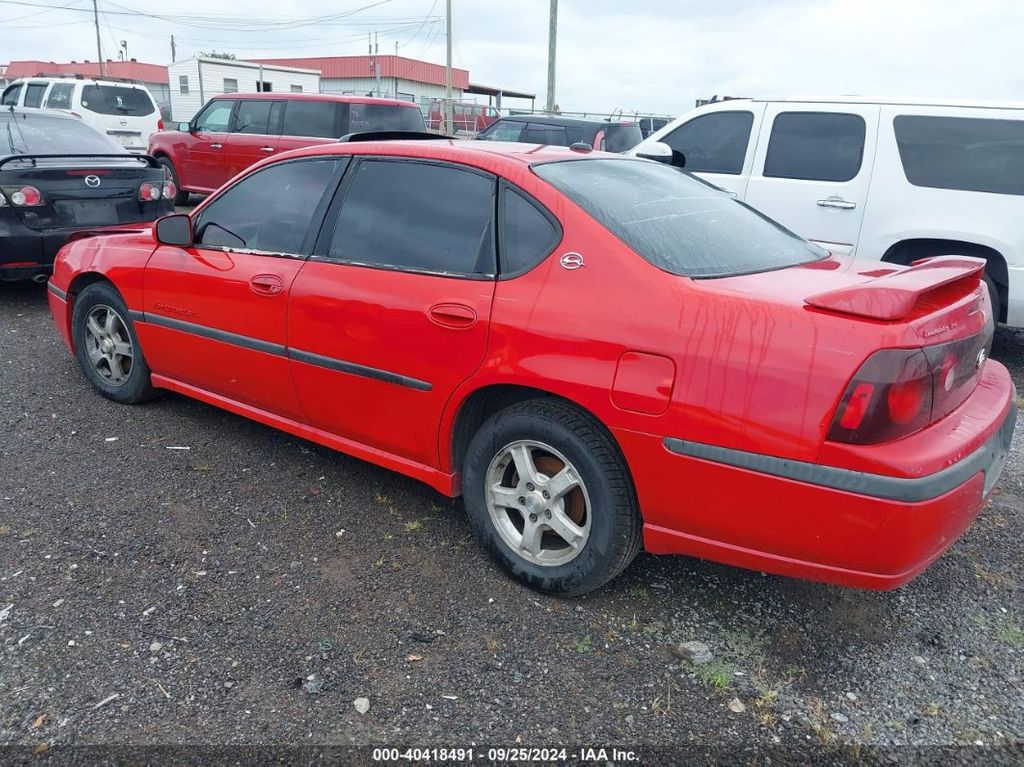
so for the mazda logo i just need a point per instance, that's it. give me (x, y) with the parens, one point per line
(571, 261)
(92, 181)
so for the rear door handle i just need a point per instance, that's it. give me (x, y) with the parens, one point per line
(267, 149)
(836, 201)
(457, 316)
(266, 284)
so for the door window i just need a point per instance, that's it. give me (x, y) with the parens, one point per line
(815, 146)
(503, 130)
(537, 133)
(10, 98)
(60, 96)
(272, 209)
(215, 118)
(311, 118)
(528, 235)
(713, 143)
(34, 94)
(977, 155)
(252, 117)
(419, 216)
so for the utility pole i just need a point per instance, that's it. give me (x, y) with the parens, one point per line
(99, 49)
(552, 42)
(173, 50)
(376, 59)
(447, 71)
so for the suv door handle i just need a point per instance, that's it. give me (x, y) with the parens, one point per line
(835, 201)
(267, 149)
(216, 146)
(457, 316)
(266, 284)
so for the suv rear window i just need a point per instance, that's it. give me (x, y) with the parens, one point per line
(383, 117)
(679, 223)
(619, 138)
(975, 155)
(117, 100)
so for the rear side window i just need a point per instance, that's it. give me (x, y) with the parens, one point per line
(34, 94)
(252, 116)
(311, 118)
(538, 133)
(975, 155)
(383, 117)
(527, 235)
(713, 143)
(10, 98)
(117, 100)
(676, 221)
(293, 191)
(420, 216)
(815, 146)
(60, 96)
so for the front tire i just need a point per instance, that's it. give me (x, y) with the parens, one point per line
(550, 497)
(107, 347)
(182, 197)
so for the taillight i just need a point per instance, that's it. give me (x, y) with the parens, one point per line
(24, 197)
(149, 192)
(897, 392)
(159, 124)
(169, 190)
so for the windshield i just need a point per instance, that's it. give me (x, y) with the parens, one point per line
(677, 222)
(117, 100)
(619, 138)
(384, 117)
(42, 134)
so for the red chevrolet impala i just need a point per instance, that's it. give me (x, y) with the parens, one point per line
(601, 354)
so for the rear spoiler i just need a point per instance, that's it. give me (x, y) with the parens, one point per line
(391, 135)
(83, 234)
(32, 158)
(894, 295)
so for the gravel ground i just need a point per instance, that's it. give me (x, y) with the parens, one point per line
(250, 588)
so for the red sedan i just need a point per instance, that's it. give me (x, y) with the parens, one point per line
(599, 353)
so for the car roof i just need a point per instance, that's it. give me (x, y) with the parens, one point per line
(339, 98)
(572, 122)
(882, 100)
(75, 80)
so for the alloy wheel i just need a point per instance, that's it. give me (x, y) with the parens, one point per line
(108, 345)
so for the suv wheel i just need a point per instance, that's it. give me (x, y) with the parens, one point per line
(182, 197)
(551, 498)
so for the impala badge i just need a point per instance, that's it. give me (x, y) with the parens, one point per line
(92, 181)
(572, 261)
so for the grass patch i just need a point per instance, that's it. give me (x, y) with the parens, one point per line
(718, 674)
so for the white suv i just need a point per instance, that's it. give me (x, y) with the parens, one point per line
(885, 179)
(123, 111)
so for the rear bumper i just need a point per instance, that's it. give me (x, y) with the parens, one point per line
(821, 523)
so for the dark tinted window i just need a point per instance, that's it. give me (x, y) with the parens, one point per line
(383, 117)
(252, 116)
(503, 130)
(815, 146)
(117, 100)
(270, 210)
(713, 143)
(962, 153)
(619, 138)
(311, 118)
(527, 235)
(538, 133)
(216, 117)
(675, 221)
(417, 216)
(34, 94)
(47, 134)
(60, 96)
(11, 96)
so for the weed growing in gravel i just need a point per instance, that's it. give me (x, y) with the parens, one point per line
(381, 499)
(413, 525)
(493, 646)
(718, 674)
(583, 645)
(1011, 635)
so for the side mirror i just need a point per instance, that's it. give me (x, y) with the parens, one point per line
(656, 150)
(175, 229)
(184, 127)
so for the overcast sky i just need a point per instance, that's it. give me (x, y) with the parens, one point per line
(647, 55)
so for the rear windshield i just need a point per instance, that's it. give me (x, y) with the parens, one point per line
(41, 134)
(619, 138)
(117, 100)
(384, 117)
(676, 221)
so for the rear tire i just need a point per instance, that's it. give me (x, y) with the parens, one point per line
(107, 347)
(182, 197)
(550, 497)
(993, 295)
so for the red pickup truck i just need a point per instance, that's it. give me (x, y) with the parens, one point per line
(233, 131)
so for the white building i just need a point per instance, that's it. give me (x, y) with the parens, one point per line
(195, 81)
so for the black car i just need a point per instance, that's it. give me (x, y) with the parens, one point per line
(59, 176)
(564, 131)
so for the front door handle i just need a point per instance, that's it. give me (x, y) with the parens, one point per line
(266, 284)
(216, 146)
(457, 316)
(266, 149)
(835, 201)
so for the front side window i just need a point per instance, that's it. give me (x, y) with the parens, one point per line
(418, 216)
(815, 146)
(311, 118)
(527, 235)
(10, 98)
(968, 153)
(117, 100)
(230, 85)
(34, 94)
(503, 130)
(215, 118)
(713, 143)
(60, 96)
(252, 116)
(270, 210)
(676, 221)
